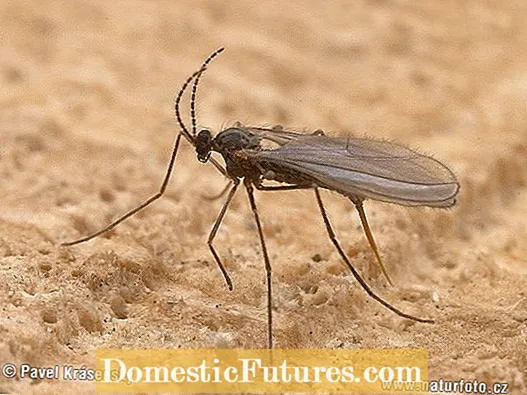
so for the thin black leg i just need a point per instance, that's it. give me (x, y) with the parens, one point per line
(355, 273)
(214, 230)
(141, 206)
(268, 269)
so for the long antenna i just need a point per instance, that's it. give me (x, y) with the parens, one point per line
(195, 76)
(184, 132)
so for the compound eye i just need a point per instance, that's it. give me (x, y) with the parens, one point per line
(203, 144)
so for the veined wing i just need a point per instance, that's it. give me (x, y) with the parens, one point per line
(362, 167)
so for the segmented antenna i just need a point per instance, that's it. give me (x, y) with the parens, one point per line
(193, 102)
(196, 75)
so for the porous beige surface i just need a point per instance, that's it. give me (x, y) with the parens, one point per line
(86, 129)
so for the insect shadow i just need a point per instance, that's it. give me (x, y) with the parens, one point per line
(358, 168)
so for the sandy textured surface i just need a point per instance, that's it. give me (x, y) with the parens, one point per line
(86, 129)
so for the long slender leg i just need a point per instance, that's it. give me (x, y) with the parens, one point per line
(369, 236)
(268, 269)
(214, 230)
(147, 202)
(184, 131)
(355, 273)
(141, 206)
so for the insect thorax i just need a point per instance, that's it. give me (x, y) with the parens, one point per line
(230, 143)
(233, 139)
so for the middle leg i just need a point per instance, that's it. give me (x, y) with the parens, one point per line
(250, 193)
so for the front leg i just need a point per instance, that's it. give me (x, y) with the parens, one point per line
(214, 230)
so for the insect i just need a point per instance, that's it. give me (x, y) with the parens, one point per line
(357, 168)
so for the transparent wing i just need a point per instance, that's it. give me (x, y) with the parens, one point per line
(276, 135)
(361, 167)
